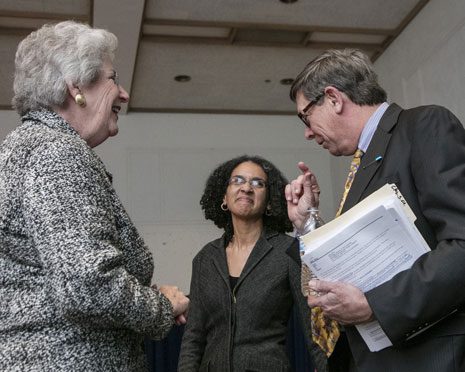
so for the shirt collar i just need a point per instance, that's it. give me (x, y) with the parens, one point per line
(370, 127)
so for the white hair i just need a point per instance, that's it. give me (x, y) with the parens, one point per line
(54, 55)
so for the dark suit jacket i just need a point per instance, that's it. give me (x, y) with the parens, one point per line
(244, 329)
(423, 152)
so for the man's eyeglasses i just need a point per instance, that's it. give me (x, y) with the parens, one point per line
(256, 183)
(303, 115)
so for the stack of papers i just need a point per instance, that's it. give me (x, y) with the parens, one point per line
(366, 246)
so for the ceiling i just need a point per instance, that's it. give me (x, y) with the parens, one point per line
(237, 53)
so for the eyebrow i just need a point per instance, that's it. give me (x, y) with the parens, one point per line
(253, 178)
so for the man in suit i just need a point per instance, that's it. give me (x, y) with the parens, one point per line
(422, 151)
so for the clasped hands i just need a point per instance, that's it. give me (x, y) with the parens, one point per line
(178, 300)
(340, 301)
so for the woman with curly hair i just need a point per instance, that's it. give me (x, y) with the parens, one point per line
(245, 283)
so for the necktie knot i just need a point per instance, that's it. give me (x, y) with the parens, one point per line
(358, 154)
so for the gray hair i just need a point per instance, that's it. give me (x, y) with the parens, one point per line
(54, 55)
(348, 70)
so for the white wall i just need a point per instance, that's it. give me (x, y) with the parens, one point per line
(160, 163)
(426, 63)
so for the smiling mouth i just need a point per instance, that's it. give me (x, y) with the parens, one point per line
(248, 200)
(116, 109)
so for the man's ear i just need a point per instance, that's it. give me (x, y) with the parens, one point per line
(335, 98)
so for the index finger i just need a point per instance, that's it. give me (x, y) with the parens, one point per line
(303, 167)
(314, 300)
(181, 319)
(322, 286)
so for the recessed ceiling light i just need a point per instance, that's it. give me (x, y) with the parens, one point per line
(182, 78)
(288, 1)
(286, 81)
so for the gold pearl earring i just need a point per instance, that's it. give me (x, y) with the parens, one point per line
(80, 100)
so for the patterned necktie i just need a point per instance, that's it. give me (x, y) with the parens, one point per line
(325, 332)
(350, 178)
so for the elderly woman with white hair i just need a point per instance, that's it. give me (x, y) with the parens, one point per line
(75, 274)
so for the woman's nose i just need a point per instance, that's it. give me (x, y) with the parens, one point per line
(246, 187)
(123, 95)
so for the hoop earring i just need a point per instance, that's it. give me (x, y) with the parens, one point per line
(80, 100)
(224, 206)
(268, 211)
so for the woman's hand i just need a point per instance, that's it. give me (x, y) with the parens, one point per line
(302, 194)
(178, 300)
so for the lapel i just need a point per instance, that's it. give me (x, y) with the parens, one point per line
(220, 261)
(377, 147)
(261, 249)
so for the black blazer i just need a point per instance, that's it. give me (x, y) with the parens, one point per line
(423, 152)
(244, 329)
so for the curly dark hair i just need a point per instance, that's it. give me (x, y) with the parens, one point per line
(217, 183)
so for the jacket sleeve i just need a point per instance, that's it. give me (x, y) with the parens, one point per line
(69, 213)
(433, 287)
(194, 338)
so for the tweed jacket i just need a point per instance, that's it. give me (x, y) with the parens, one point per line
(243, 328)
(74, 273)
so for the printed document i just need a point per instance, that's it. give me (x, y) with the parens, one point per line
(366, 246)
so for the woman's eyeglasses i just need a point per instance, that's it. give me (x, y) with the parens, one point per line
(256, 183)
(115, 77)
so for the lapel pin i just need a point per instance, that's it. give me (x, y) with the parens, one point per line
(376, 160)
